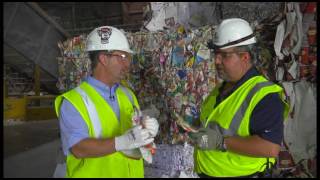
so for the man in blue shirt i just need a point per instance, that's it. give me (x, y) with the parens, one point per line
(72, 128)
(110, 57)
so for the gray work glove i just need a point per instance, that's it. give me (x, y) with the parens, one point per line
(209, 138)
(133, 138)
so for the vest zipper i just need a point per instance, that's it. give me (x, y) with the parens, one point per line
(111, 97)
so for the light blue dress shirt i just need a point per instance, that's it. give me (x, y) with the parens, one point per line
(72, 126)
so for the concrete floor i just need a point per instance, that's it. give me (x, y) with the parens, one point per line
(25, 136)
(30, 149)
(39, 162)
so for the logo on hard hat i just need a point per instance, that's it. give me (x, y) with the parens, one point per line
(105, 34)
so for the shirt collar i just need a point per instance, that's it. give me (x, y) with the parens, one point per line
(100, 85)
(249, 74)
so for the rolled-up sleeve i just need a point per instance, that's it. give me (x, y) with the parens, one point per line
(72, 126)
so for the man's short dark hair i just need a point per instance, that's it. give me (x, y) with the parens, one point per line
(252, 49)
(94, 57)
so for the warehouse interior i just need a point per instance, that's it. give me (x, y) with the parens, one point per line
(43, 56)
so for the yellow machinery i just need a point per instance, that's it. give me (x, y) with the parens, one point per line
(29, 108)
(14, 108)
(39, 111)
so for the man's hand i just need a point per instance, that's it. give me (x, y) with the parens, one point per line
(152, 125)
(133, 138)
(209, 138)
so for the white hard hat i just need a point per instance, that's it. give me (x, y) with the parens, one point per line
(234, 32)
(107, 38)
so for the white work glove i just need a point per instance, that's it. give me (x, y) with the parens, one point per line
(133, 138)
(152, 125)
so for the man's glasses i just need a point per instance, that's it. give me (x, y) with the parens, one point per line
(122, 57)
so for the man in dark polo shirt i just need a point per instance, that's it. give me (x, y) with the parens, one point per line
(242, 118)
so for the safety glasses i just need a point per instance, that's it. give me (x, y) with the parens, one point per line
(121, 57)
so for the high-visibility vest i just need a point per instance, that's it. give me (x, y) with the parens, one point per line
(233, 117)
(102, 122)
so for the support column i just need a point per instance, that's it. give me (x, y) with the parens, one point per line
(37, 84)
(5, 85)
(37, 80)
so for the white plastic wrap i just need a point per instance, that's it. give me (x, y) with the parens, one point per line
(300, 131)
(171, 161)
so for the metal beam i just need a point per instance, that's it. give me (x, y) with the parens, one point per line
(10, 19)
(74, 15)
(125, 15)
(5, 87)
(43, 42)
(39, 10)
(37, 80)
(135, 26)
(33, 38)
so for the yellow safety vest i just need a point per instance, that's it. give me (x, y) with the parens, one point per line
(102, 124)
(233, 117)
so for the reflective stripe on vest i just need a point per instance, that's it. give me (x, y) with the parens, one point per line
(92, 109)
(125, 90)
(115, 164)
(237, 121)
(237, 118)
(92, 112)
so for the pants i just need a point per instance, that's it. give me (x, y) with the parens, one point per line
(60, 171)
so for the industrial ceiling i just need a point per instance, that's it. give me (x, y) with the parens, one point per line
(32, 30)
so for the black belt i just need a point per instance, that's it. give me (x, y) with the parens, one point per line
(266, 173)
(254, 175)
